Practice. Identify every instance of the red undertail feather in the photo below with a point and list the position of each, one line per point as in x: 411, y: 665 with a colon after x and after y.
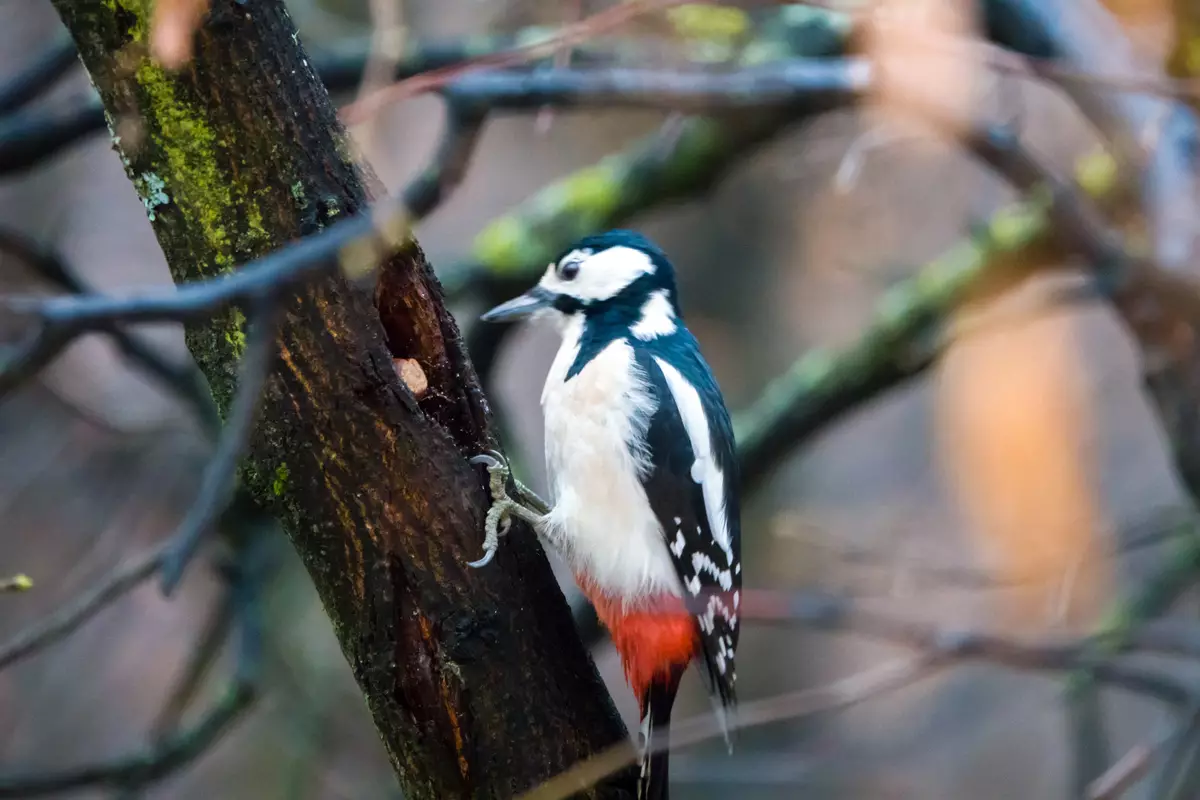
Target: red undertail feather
x: 657, y: 639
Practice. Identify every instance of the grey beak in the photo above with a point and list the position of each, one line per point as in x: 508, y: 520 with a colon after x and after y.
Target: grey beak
x: 522, y: 306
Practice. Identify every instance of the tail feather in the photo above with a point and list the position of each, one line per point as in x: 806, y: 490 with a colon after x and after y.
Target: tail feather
x: 656, y: 704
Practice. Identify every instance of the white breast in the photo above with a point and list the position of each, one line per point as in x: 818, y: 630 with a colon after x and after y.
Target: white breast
x: 601, y: 520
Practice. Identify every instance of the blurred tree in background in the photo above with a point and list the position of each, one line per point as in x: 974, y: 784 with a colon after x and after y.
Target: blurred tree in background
x: 939, y: 254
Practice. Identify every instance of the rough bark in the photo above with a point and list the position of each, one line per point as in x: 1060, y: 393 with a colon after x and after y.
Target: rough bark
x: 477, y: 680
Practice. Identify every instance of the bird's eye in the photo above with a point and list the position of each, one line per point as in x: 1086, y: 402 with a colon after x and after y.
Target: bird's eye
x: 568, y: 269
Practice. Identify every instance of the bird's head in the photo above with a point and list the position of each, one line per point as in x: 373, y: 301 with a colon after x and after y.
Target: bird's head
x: 620, y: 275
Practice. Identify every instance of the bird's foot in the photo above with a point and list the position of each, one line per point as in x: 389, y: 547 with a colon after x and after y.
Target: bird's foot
x: 504, y: 508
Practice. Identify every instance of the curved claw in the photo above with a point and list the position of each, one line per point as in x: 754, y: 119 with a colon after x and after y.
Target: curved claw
x: 487, y: 459
x: 492, y: 459
x: 488, y: 555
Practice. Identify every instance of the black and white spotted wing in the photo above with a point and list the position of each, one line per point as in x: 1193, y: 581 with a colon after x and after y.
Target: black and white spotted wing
x: 697, y: 505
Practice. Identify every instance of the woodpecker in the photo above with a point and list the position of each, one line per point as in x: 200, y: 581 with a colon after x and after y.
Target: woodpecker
x: 643, y: 476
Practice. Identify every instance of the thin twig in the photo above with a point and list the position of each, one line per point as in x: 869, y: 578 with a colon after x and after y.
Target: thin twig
x: 935, y: 648
x: 1178, y: 759
x: 835, y: 696
x: 182, y: 378
x: 30, y: 136
x: 567, y: 36
x: 252, y: 565
x: 463, y: 128
x: 45, y: 70
x: 1084, y: 36
x: 822, y: 83
x: 218, y: 485
x: 202, y: 658
x: 144, y: 767
x: 81, y: 608
x: 62, y: 319
x: 1122, y: 775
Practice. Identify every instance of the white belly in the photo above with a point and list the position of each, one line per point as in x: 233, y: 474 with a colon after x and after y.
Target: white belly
x: 601, y: 520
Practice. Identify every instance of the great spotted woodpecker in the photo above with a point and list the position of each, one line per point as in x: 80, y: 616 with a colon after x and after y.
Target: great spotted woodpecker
x: 643, y: 475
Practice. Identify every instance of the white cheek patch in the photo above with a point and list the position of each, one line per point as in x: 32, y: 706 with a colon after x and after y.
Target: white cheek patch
x: 658, y: 318
x: 602, y: 275
x: 705, y: 470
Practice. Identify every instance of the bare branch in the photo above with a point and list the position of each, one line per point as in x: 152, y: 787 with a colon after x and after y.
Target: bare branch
x: 175, y: 747
x: 1178, y: 761
x: 1122, y: 775
x: 62, y: 319
x: 143, y: 767
x: 935, y: 647
x: 216, y: 490
x: 835, y: 696
x: 45, y: 70
x: 218, y: 485
x: 182, y: 378
x: 437, y: 182
x: 910, y: 328
x: 682, y: 161
x: 567, y: 36
x: 816, y: 84
x: 179, y: 747
x: 29, y: 137
x: 81, y: 608
x: 1083, y: 34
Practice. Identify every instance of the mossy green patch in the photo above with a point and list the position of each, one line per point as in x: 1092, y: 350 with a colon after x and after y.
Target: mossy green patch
x: 235, y: 333
x: 139, y: 11
x: 189, y: 171
x: 709, y: 22
x: 504, y: 245
x: 947, y: 276
x: 255, y: 232
x: 593, y: 191
x: 896, y: 307
x: 593, y: 197
x: 1097, y: 173
x: 699, y: 143
x: 187, y: 141
x: 279, y: 485
x: 1015, y: 226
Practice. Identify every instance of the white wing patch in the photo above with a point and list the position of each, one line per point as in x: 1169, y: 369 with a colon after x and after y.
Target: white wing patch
x: 705, y: 470
x: 702, y: 563
x: 658, y: 318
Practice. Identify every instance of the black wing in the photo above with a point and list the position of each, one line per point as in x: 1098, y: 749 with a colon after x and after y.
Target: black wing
x: 709, y: 566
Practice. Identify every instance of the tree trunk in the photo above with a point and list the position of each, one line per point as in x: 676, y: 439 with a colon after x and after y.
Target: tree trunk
x: 477, y: 680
